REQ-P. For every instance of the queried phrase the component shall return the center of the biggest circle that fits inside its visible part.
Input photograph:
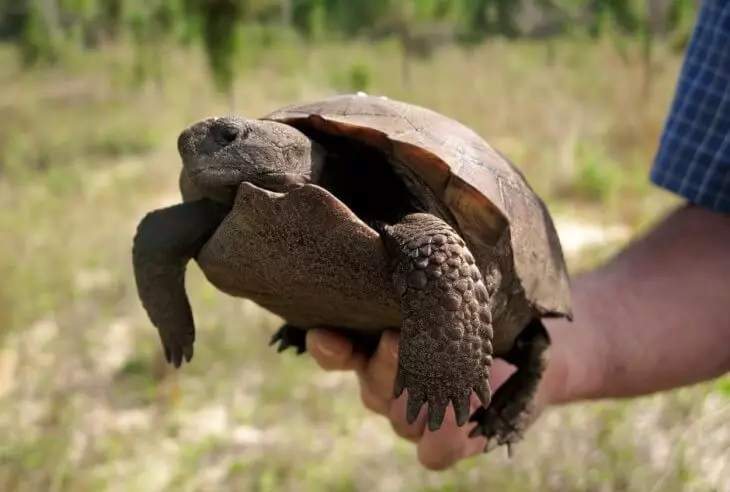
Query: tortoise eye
(229, 133)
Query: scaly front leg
(165, 241)
(446, 338)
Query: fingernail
(330, 345)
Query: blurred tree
(44, 30)
(111, 14)
(39, 38)
(680, 19)
(13, 16)
(151, 24)
(219, 22)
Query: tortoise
(362, 213)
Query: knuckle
(328, 363)
(435, 464)
(405, 431)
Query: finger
(397, 416)
(475, 445)
(447, 446)
(499, 373)
(443, 448)
(378, 375)
(371, 401)
(331, 351)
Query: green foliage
(317, 18)
(151, 25)
(722, 386)
(219, 21)
(46, 31)
(36, 43)
(359, 77)
(681, 16)
(356, 77)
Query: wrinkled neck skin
(268, 154)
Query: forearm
(656, 317)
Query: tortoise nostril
(229, 133)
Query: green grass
(85, 403)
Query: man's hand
(653, 318)
(436, 450)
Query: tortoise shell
(488, 196)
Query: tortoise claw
(290, 336)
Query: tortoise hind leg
(290, 336)
(446, 337)
(293, 336)
(513, 407)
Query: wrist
(576, 365)
(629, 335)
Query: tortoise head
(223, 152)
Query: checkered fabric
(693, 159)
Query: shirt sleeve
(693, 159)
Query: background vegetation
(92, 96)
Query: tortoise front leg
(446, 338)
(165, 241)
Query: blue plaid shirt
(693, 159)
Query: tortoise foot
(290, 336)
(513, 408)
(446, 337)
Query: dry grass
(84, 402)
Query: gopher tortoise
(361, 214)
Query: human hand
(436, 450)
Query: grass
(85, 404)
